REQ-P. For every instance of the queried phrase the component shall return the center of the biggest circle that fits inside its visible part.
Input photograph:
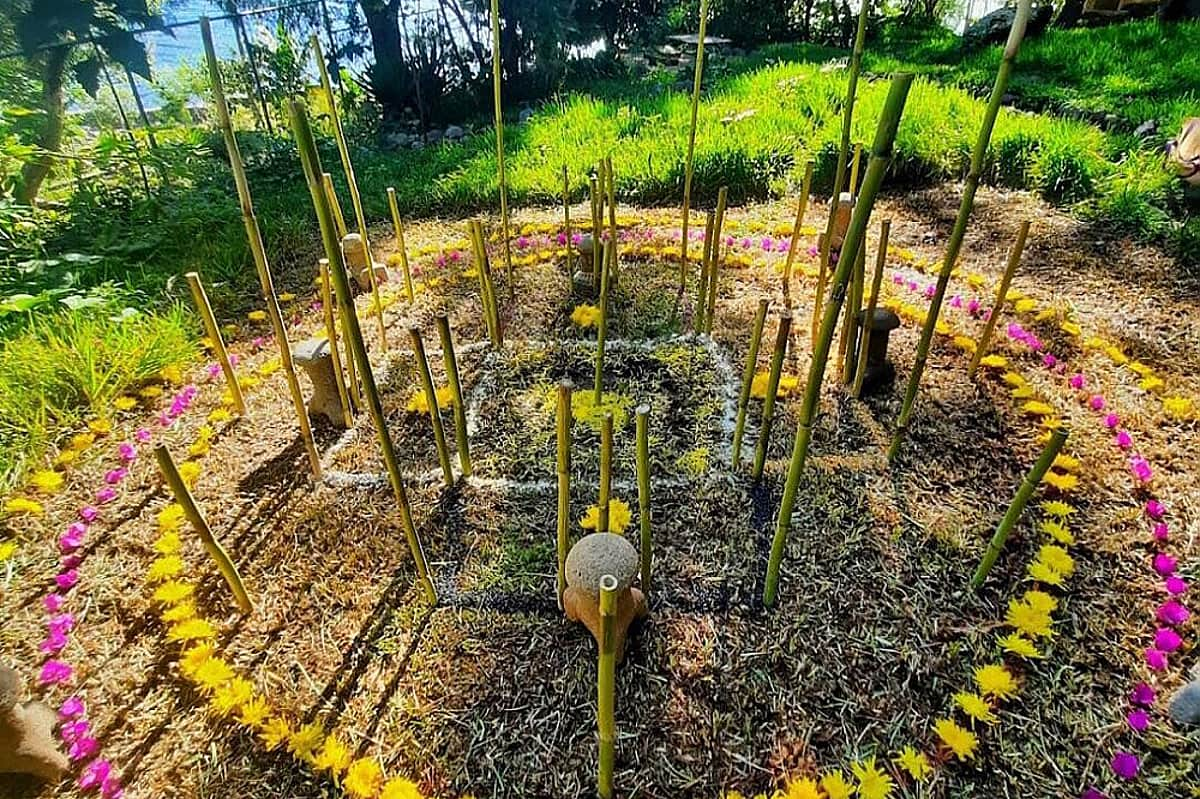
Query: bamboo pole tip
(191, 276)
(643, 409)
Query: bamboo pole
(331, 193)
(331, 335)
(594, 182)
(341, 283)
(801, 207)
(612, 215)
(500, 175)
(602, 325)
(606, 674)
(688, 166)
(846, 348)
(606, 459)
(643, 481)
(564, 483)
(213, 332)
(567, 216)
(1058, 437)
(435, 412)
(460, 413)
(254, 236)
(398, 224)
(354, 392)
(702, 284)
(960, 225)
(360, 218)
(714, 259)
(493, 303)
(881, 158)
(860, 372)
(739, 430)
(184, 497)
(768, 412)
(854, 170)
(985, 336)
(822, 279)
(484, 305)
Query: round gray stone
(1185, 705)
(598, 554)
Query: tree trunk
(50, 139)
(389, 75)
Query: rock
(993, 28)
(27, 744)
(433, 137)
(454, 133)
(1185, 705)
(355, 254)
(585, 244)
(1146, 129)
(398, 139)
(525, 115)
(598, 554)
(314, 356)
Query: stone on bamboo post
(316, 358)
(27, 742)
(592, 557)
(841, 221)
(355, 254)
(879, 372)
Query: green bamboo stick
(435, 413)
(184, 497)
(460, 413)
(400, 246)
(213, 332)
(606, 459)
(714, 259)
(702, 283)
(602, 324)
(850, 328)
(953, 246)
(881, 158)
(1058, 437)
(331, 193)
(594, 183)
(340, 225)
(768, 411)
(500, 174)
(985, 336)
(331, 335)
(643, 480)
(493, 303)
(567, 216)
(612, 215)
(258, 250)
(860, 373)
(345, 300)
(691, 147)
(739, 430)
(606, 673)
(822, 279)
(801, 207)
(564, 483)
(360, 218)
(854, 170)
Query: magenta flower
(1164, 564)
(1077, 381)
(83, 748)
(116, 475)
(111, 789)
(74, 730)
(1092, 793)
(1138, 720)
(62, 622)
(257, 343)
(767, 243)
(1049, 361)
(52, 602)
(1175, 585)
(165, 419)
(1156, 659)
(72, 708)
(54, 643)
(143, 435)
(440, 261)
(88, 513)
(973, 306)
(456, 256)
(1161, 533)
(66, 580)
(813, 252)
(913, 285)
(234, 359)
(1167, 639)
(94, 774)
(55, 672)
(522, 242)
(1155, 509)
(1034, 342)
(1097, 402)
(747, 244)
(127, 452)
(930, 290)
(213, 370)
(729, 240)
(1123, 439)
(71, 561)
(1143, 695)
(72, 539)
(1112, 421)
(1125, 765)
(106, 495)
(1015, 331)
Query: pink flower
(1049, 361)
(1167, 639)
(106, 494)
(127, 452)
(813, 252)
(1161, 533)
(258, 342)
(1155, 509)
(1138, 720)
(456, 256)
(1143, 695)
(1175, 585)
(930, 290)
(71, 561)
(66, 580)
(52, 602)
(55, 672)
(63, 622)
(1111, 421)
(1156, 659)
(912, 285)
(143, 435)
(74, 730)
(213, 370)
(1092, 793)
(1077, 381)
(1123, 439)
(1164, 564)
(116, 475)
(72, 708)
(747, 244)
(1097, 402)
(72, 539)
(234, 359)
(83, 748)
(53, 644)
(88, 513)
(986, 315)
(1015, 331)
(956, 301)
(94, 774)
(1034, 342)
(111, 789)
(767, 243)
(973, 306)
(1125, 765)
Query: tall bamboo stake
(400, 246)
(702, 284)
(960, 225)
(606, 459)
(691, 147)
(487, 297)
(854, 170)
(850, 320)
(254, 236)
(338, 220)
(594, 183)
(985, 336)
(332, 337)
(794, 244)
(340, 225)
(881, 158)
(1029, 484)
(435, 412)
(184, 497)
(602, 324)
(345, 300)
(567, 216)
(213, 332)
(460, 413)
(822, 279)
(860, 372)
(739, 429)
(360, 218)
(643, 480)
(612, 213)
(768, 411)
(564, 483)
(714, 259)
(500, 175)
(493, 303)
(606, 674)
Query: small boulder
(27, 744)
(433, 137)
(1184, 708)
(598, 554)
(525, 115)
(454, 133)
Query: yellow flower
(976, 280)
(1046, 314)
(189, 473)
(873, 782)
(199, 448)
(585, 315)
(803, 788)
(1024, 306)
(269, 368)
(959, 741)
(168, 543)
(219, 416)
(150, 392)
(124, 403)
(993, 361)
(17, 506)
(363, 779)
(618, 517)
(1057, 558)
(194, 657)
(66, 458)
(1177, 407)
(257, 316)
(227, 698)
(1063, 482)
(1115, 355)
(1058, 531)
(1040, 601)
(192, 630)
(334, 757)
(1152, 383)
(419, 401)
(47, 481)
(306, 741)
(400, 788)
(1057, 508)
(287, 296)
(177, 613)
(1014, 379)
(275, 732)
(255, 712)
(1030, 621)
(836, 786)
(173, 592)
(1020, 646)
(995, 681)
(915, 763)
(247, 383)
(976, 707)
(7, 550)
(1038, 408)
(163, 569)
(1042, 573)
(212, 673)
(100, 427)
(1065, 462)
(1023, 392)
(171, 374)
(1071, 329)
(964, 343)
(170, 518)
(81, 441)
